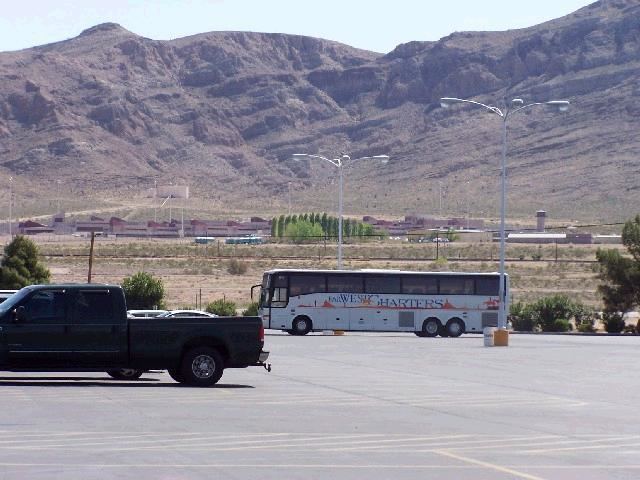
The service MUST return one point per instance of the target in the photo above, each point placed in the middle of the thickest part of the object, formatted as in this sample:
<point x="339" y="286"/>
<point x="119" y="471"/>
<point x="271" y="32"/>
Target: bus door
<point x="346" y="312"/>
<point x="275" y="311"/>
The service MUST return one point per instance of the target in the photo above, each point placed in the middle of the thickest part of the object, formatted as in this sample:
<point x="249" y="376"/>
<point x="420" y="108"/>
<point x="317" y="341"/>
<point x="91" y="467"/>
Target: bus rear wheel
<point x="455" y="327"/>
<point x="430" y="327"/>
<point x="301" y="325"/>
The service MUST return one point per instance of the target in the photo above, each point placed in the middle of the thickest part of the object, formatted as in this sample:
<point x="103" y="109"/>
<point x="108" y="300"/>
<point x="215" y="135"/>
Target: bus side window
<point x="487" y="285"/>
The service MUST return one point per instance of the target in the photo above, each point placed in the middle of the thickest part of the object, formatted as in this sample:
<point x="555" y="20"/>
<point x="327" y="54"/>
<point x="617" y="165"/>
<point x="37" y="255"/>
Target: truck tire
<point x="301" y="325"/>
<point x="175" y="374"/>
<point x="125" y="374"/>
<point x="201" y="367"/>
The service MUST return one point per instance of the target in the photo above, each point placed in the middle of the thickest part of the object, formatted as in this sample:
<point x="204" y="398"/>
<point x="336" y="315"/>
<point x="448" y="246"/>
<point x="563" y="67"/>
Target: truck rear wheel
<point x="125" y="374"/>
<point x="201" y="367"/>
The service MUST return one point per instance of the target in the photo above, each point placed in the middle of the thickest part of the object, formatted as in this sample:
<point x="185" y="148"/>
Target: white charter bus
<point x="425" y="303"/>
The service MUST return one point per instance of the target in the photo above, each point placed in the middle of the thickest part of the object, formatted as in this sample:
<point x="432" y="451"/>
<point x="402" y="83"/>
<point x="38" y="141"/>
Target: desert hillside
<point x="97" y="119"/>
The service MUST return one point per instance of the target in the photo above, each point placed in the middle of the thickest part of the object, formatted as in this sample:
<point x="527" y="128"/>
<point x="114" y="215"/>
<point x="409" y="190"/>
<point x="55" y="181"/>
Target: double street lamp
<point x="339" y="163"/>
<point x="517" y="104"/>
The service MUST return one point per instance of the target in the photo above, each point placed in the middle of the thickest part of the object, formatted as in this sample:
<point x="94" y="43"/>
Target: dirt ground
<point x="194" y="275"/>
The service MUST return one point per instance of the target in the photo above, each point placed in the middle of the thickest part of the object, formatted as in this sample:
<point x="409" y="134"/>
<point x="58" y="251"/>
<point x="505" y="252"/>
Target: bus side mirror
<point x="20" y="314"/>
<point x="255" y="286"/>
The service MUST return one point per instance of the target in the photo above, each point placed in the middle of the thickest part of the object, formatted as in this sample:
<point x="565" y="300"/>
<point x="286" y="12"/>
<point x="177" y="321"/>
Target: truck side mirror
<point x="20" y="314"/>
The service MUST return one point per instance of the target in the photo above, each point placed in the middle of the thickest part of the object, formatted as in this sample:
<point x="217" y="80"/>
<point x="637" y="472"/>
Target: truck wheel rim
<point x="431" y="327"/>
<point x="203" y="366"/>
<point x="454" y="328"/>
<point x="301" y="325"/>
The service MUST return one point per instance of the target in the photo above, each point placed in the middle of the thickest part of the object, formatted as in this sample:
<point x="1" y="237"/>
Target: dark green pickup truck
<point x="85" y="328"/>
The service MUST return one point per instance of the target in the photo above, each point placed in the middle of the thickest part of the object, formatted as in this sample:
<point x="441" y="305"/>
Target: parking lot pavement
<point x="356" y="406"/>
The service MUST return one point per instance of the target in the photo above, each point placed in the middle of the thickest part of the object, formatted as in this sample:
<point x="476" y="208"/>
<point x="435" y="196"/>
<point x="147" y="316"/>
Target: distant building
<point x="537" y="238"/>
<point x="30" y="227"/>
<point x="607" y="239"/>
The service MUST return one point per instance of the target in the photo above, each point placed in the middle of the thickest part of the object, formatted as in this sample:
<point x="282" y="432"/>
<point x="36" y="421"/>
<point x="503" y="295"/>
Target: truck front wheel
<point x="202" y="367"/>
<point x="125" y="374"/>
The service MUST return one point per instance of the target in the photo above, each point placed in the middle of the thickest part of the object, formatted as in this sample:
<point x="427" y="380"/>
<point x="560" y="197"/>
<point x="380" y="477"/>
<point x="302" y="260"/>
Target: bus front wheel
<point x="301" y="326"/>
<point x="430" y="327"/>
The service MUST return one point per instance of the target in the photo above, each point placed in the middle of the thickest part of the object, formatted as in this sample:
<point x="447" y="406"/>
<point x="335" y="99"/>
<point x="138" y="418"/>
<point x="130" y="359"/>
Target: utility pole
<point x="155" y="196"/>
<point x="93" y="237"/>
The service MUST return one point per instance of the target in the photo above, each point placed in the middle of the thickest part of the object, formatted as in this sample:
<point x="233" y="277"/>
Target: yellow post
<point x="501" y="337"/>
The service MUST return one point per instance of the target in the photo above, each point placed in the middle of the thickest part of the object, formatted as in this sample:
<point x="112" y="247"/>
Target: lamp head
<point x="384" y="159"/>
<point x="446" y="102"/>
<point x="561" y="105"/>
<point x="517" y="102"/>
<point x="299" y="156"/>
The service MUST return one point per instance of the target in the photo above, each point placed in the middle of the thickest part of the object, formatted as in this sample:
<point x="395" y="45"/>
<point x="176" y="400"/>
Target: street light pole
<point x="517" y="105"/>
<point x="340" y="205"/>
<point x="10" y="205"/>
<point x="339" y="164"/>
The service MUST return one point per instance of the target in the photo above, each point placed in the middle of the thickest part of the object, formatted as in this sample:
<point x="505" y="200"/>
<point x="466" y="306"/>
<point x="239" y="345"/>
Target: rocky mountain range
<point x="106" y="114"/>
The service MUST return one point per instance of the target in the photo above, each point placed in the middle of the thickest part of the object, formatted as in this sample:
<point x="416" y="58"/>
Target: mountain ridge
<point x="108" y="113"/>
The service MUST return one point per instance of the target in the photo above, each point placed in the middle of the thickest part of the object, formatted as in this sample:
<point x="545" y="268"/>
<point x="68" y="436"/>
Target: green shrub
<point x="584" y="317"/>
<point x="521" y="317"/>
<point x="585" y="327"/>
<point x="20" y="265"/>
<point x="613" y="322"/>
<point x="547" y="310"/>
<point x="251" y="310"/>
<point x="222" y="307"/>
<point x="561" y="325"/>
<point x="143" y="291"/>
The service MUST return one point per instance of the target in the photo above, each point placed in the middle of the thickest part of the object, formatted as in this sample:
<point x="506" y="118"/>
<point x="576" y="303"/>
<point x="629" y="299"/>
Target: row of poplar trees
<point x="316" y="226"/>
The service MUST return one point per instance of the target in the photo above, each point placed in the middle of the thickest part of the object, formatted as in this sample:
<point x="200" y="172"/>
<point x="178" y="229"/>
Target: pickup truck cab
<point x="85" y="327"/>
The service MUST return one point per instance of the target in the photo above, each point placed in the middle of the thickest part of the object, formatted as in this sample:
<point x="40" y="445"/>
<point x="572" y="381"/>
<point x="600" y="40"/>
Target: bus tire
<point x="301" y="325"/>
<point x="430" y="327"/>
<point x="455" y="327"/>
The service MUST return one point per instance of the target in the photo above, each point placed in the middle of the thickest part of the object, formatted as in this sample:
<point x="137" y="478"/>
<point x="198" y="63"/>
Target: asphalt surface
<point x="375" y="406"/>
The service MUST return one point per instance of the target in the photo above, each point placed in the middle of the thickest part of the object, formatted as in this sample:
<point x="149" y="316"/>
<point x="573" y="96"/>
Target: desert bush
<point x="585" y="327"/>
<point x="222" y="307"/>
<point x="561" y="325"/>
<point x="251" y="310"/>
<point x="613" y="322"/>
<point x="237" y="267"/>
<point x="521" y="317"/>
<point x="547" y="310"/>
<point x="584" y="318"/>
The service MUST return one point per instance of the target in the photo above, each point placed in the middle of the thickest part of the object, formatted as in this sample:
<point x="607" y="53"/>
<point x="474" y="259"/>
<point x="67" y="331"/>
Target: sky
<point x="374" y="25"/>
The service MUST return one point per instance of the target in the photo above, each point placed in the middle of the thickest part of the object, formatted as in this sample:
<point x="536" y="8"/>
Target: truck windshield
<point x="13" y="300"/>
